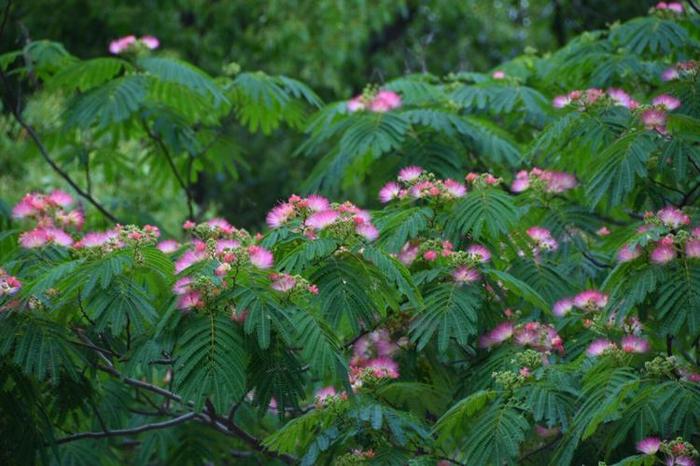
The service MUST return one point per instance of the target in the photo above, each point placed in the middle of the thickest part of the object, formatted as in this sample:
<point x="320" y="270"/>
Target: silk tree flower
<point x="182" y="286"/>
<point x="667" y="102"/>
<point x="563" y="307"/>
<point x="317" y="203"/>
<point x="120" y="45"/>
<point x="649" y="445"/>
<point x="389" y="192"/>
<point x="465" y="274"/>
<point x="74" y="218"/>
<point x="455" y="188"/>
<point x="384" y="101"/>
<point x="479" y="253"/>
<point x="670" y="74"/>
<point x="680" y="461"/>
<point x="672" y="217"/>
<point x="408" y="253"/>
<point x="603" y="231"/>
<point x="561" y="101"/>
<point x="599" y="346"/>
<point x="282" y="282"/>
<point x="634" y="344"/>
<point x="546" y="432"/>
<point x="96" y="239"/>
<point x="543" y="238"/>
<point x="590" y="300"/>
<point x="664" y="252"/>
<point x="620" y="97"/>
<point x="383" y="367"/>
<point x="9" y="285"/>
<point x="320" y="220"/>
<point x="498" y="74"/>
<point x="628" y="253"/>
<point x="497" y="335"/>
<point x="521" y="182"/>
<point x="692" y="248"/>
<point x="260" y="257"/>
<point x="558" y="182"/>
<point x="367" y="231"/>
<point x="30" y="205"/>
<point x="654" y="119"/>
<point x="279" y="215"/>
<point x="168" y="246"/>
<point x="410" y="173"/>
<point x="424" y="189"/>
<point x="355" y="104"/>
<point x="190" y="300"/>
<point x="221" y="225"/>
<point x="150" y="42"/>
<point x="325" y="393"/>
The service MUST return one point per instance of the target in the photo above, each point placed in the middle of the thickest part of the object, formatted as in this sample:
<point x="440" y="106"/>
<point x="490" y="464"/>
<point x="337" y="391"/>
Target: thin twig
<point x="132" y="431"/>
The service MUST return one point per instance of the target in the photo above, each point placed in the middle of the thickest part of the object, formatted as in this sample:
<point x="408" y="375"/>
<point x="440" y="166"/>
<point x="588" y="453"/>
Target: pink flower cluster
<point x="481" y="179"/>
<point x="372" y="355"/>
<point x="536" y="335"/>
<point x="680" y="69"/>
<point x="434" y="251"/>
<point x="578" y="98"/>
<point x="315" y="213"/>
<point x="122" y="44"/>
<point x="655" y="117"/>
<point x="413" y="181"/>
<point x="675" y="7"/>
<point x="586" y="301"/>
<point x="326" y="394"/>
<point x="380" y="102"/>
<point x="543" y="239"/>
<point x="677" y="452"/>
<point x="52" y="214"/>
<point x="547" y="181"/>
<point x="667" y="248"/>
<point x="286" y="283"/>
<point x="9" y="285"/>
<point x="628" y="344"/>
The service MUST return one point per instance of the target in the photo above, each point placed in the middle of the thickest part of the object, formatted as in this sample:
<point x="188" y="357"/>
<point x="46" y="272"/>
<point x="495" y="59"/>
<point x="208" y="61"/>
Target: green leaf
<point x="483" y="209"/>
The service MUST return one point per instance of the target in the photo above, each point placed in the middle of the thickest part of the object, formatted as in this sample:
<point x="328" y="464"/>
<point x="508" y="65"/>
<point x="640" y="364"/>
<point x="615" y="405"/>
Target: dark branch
<point x="694" y="6"/>
<point x="132" y="431"/>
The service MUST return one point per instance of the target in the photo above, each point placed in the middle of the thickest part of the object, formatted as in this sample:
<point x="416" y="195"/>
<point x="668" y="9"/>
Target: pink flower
<point x="58" y="236"/>
<point x="558" y="182"/>
<point x="9" y="285"/>
<point x="543" y="238"/>
<point x="313" y="289"/>
<point x="188" y="259"/>
<point x="521" y="182"/>
<point x="692" y="248"/>
<point x="97" y="238"/>
<point x="283" y="282"/>
<point x="120" y="45"/>
<point x="603" y="231"/>
<point x="465" y="274"/>
<point x="562" y="307"/>
<point x="260" y="257"/>
<point x="385" y="101"/>
<point x="672" y="217"/>
<point x="182" y="286"/>
<point x="669" y="74"/>
<point x="598" y="347"/>
<point x="188" y="225"/>
<point x="499" y="334"/>
<point x="455" y="188"/>
<point x="561" y="101"/>
<point x="590" y="300"/>
<point x="649" y="445"/>
<point x="317" y="203"/>
<point x="168" y="246"/>
<point x="676" y="7"/>
<point x="633" y="344"/>
<point x="430" y="255"/>
<point x="408" y="253"/>
<point x="279" y="215"/>
<point x="389" y="192"/>
<point x="355" y="104"/>
<point x="60" y="198"/>
<point x="30" y="205"/>
<point x="74" y="218"/>
<point x="223" y="245"/>
<point x="664" y="251"/>
<point x="479" y="253"/>
<point x="620" y="97"/>
<point x="321" y="220"/>
<point x="668" y="102"/>
<point x="628" y="253"/>
<point x="150" y="42"/>
<point x="221" y="224"/>
<point x="680" y="461"/>
<point x="367" y="231"/>
<point x="410" y="173"/>
<point x="498" y="75"/>
<point x="324" y="393"/>
<point x="384" y="367"/>
<point x="190" y="300"/>
<point x="654" y="119"/>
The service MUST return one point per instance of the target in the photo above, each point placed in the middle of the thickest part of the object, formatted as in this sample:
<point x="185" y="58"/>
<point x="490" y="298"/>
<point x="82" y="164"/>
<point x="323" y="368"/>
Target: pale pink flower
<point x="521" y="182"/>
<point x="260" y="257"/>
<point x="58" y="236"/>
<point x="221" y="224"/>
<point x="561" y="101"/>
<point x="465" y="274"/>
<point x="223" y="245"/>
<point x="543" y="238"/>
<point x="367" y="231"/>
<point x="479" y="253"/>
<point x="664" y="252"/>
<point x="317" y="203"/>
<point x="455" y="188"/>
<point x="389" y="192"/>
<point x="31" y="204"/>
<point x="598" y="347"/>
<point x="355" y="104"/>
<point x="150" y="42"/>
<point x="190" y="300"/>
<point x="324" y="393"/>
<point x="182" y="286"/>
<point x="603" y="231"/>
<point x="628" y="253"/>
<point x="692" y="248"/>
<point x="562" y="307"/>
<point x="676" y="7"/>
<point x="410" y="173"/>
<point x="74" y="218"/>
<point x="120" y="45"/>
<point x="9" y="285"/>
<point x="654" y="119"/>
<point x="649" y="445"/>
<point x="188" y="259"/>
<point x="499" y="334"/>
<point x="680" y="461"/>
<point x="633" y="344"/>
<point x="168" y="246"/>
<point x="408" y="253"/>
<point x="188" y="225"/>
<point x="279" y="215"/>
<point x="385" y="101"/>
<point x="320" y="220"/>
<point x="384" y="367"/>
<point x="283" y="282"/>
<point x="668" y="102"/>
<point x="590" y="300"/>
<point x="672" y="217"/>
<point x="558" y="182"/>
<point x="96" y="239"/>
<point x="620" y="97"/>
<point x="670" y="74"/>
<point x="60" y="198"/>
<point x="498" y="75"/>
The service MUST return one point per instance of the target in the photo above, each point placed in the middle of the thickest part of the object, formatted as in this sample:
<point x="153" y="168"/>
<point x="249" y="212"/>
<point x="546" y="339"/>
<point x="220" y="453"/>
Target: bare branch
<point x="132" y="431"/>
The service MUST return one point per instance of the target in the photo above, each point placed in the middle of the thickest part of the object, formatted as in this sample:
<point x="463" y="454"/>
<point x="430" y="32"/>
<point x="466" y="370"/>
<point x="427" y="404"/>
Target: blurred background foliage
<point x="335" y="47"/>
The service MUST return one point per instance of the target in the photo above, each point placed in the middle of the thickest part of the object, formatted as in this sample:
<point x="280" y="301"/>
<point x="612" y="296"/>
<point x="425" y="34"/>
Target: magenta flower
<point x="60" y="198"/>
<point x="98" y="238"/>
<point x="389" y="192"/>
<point x="498" y="75"/>
<point x="558" y="182"/>
<point x="628" y="253"/>
<point x="168" y="246"/>
<point x="692" y="248"/>
<point x="279" y="215"/>
<point x="543" y="238"/>
<point x="455" y="188"/>
<point x="150" y="42"/>
<point x="497" y="335"/>
<point x="590" y="300"/>
<point x="654" y="119"/>
<point x="465" y="274"/>
<point x="680" y="461"/>
<point x="649" y="445"/>
<point x="320" y="220"/>
<point x="561" y="101"/>
<point x="120" y="45"/>
<point x="664" y="252"/>
<point x="384" y="367"/>
<point x="367" y="231"/>
<point x="410" y="173"/>
<point x="385" y="101"/>
<point x="189" y="258"/>
<point x="669" y="74"/>
<point x="633" y="344"/>
<point x="620" y="97"/>
<point x="182" y="286"/>
<point x="668" y="102"/>
<point x="317" y="203"/>
<point x="408" y="253"/>
<point x="260" y="257"/>
<point x="283" y="282"/>
<point x="598" y="347"/>
<point x="190" y="300"/>
<point x="672" y="217"/>
<point x="324" y="393"/>
<point x="479" y="253"/>
<point x="562" y="307"/>
<point x="9" y="285"/>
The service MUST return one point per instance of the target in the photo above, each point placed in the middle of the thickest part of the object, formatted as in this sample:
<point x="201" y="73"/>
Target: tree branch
<point x="134" y="430"/>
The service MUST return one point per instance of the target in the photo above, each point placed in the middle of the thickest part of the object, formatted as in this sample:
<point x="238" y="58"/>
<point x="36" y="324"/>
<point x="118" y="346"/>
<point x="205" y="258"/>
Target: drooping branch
<point x="132" y="431"/>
